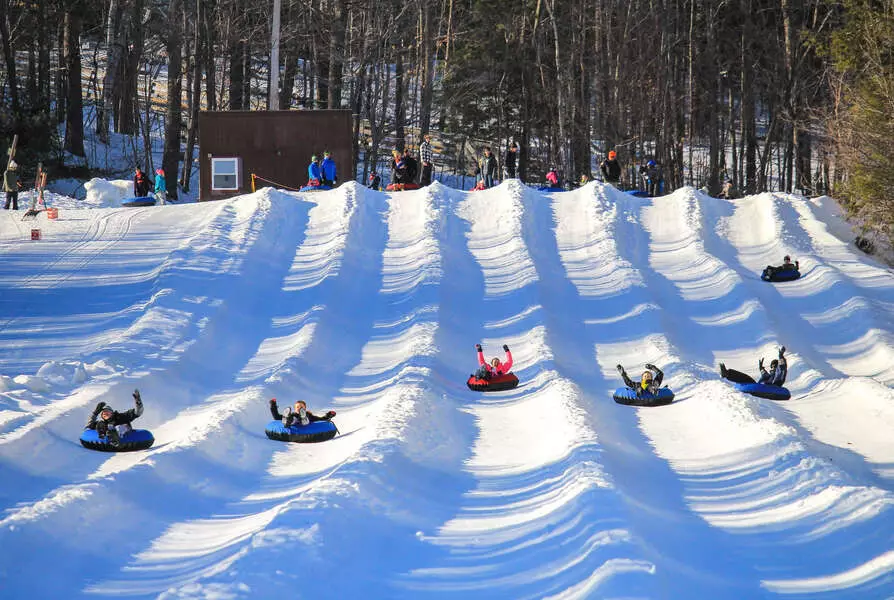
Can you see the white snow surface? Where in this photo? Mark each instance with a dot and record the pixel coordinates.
(370, 304)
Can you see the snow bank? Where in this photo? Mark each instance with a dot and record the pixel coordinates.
(103, 193)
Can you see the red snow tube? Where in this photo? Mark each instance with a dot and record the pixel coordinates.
(400, 187)
(494, 384)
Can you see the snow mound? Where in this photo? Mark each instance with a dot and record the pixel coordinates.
(102, 193)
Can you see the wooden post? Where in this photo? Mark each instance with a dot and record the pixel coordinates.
(12, 150)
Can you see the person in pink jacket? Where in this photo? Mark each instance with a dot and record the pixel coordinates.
(495, 368)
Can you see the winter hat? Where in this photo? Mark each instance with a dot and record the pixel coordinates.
(326, 153)
(13, 166)
(104, 409)
(651, 163)
(159, 171)
(612, 155)
(313, 158)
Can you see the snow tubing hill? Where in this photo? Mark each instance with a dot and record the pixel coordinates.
(624, 395)
(401, 187)
(787, 275)
(135, 439)
(315, 188)
(318, 431)
(141, 201)
(763, 390)
(494, 384)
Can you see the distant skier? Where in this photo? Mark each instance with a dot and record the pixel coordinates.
(11, 185)
(495, 368)
(297, 416)
(140, 184)
(425, 155)
(787, 265)
(375, 182)
(775, 376)
(510, 160)
(611, 169)
(488, 167)
(112, 424)
(650, 381)
(161, 187)
(314, 172)
(327, 169)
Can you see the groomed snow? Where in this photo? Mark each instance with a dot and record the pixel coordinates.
(371, 304)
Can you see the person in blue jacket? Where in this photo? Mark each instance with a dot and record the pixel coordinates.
(328, 169)
(314, 172)
(775, 376)
(161, 186)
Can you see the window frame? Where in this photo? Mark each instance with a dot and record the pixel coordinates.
(220, 159)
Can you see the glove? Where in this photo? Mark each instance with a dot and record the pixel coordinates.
(760, 364)
(273, 402)
(330, 414)
(781, 351)
(99, 408)
(651, 366)
(136, 396)
(478, 347)
(505, 348)
(620, 369)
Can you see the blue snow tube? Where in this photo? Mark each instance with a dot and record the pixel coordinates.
(318, 431)
(638, 193)
(787, 275)
(315, 188)
(135, 439)
(625, 395)
(764, 390)
(141, 201)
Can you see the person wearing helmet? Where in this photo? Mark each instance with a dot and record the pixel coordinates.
(650, 381)
(327, 169)
(112, 424)
(611, 169)
(652, 178)
(495, 367)
(11, 185)
(161, 186)
(299, 415)
(775, 376)
(314, 172)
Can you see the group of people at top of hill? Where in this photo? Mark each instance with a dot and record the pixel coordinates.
(322, 172)
(142, 185)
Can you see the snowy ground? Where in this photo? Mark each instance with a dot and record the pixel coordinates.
(371, 304)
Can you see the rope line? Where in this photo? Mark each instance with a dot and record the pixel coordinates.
(275, 183)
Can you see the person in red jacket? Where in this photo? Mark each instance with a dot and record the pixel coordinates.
(495, 368)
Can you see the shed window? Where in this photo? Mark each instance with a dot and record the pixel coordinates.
(225, 173)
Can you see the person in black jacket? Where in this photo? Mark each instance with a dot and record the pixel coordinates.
(140, 184)
(412, 167)
(611, 169)
(509, 162)
(297, 416)
(650, 382)
(488, 168)
(375, 182)
(112, 424)
(775, 376)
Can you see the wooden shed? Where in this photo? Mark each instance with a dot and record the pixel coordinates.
(273, 145)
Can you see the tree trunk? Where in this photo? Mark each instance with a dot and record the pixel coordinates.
(10, 59)
(129, 115)
(114, 51)
(400, 110)
(195, 100)
(236, 76)
(428, 70)
(173, 113)
(336, 53)
(209, 56)
(74, 116)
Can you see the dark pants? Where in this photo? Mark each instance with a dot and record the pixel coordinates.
(510, 172)
(737, 376)
(14, 198)
(426, 174)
